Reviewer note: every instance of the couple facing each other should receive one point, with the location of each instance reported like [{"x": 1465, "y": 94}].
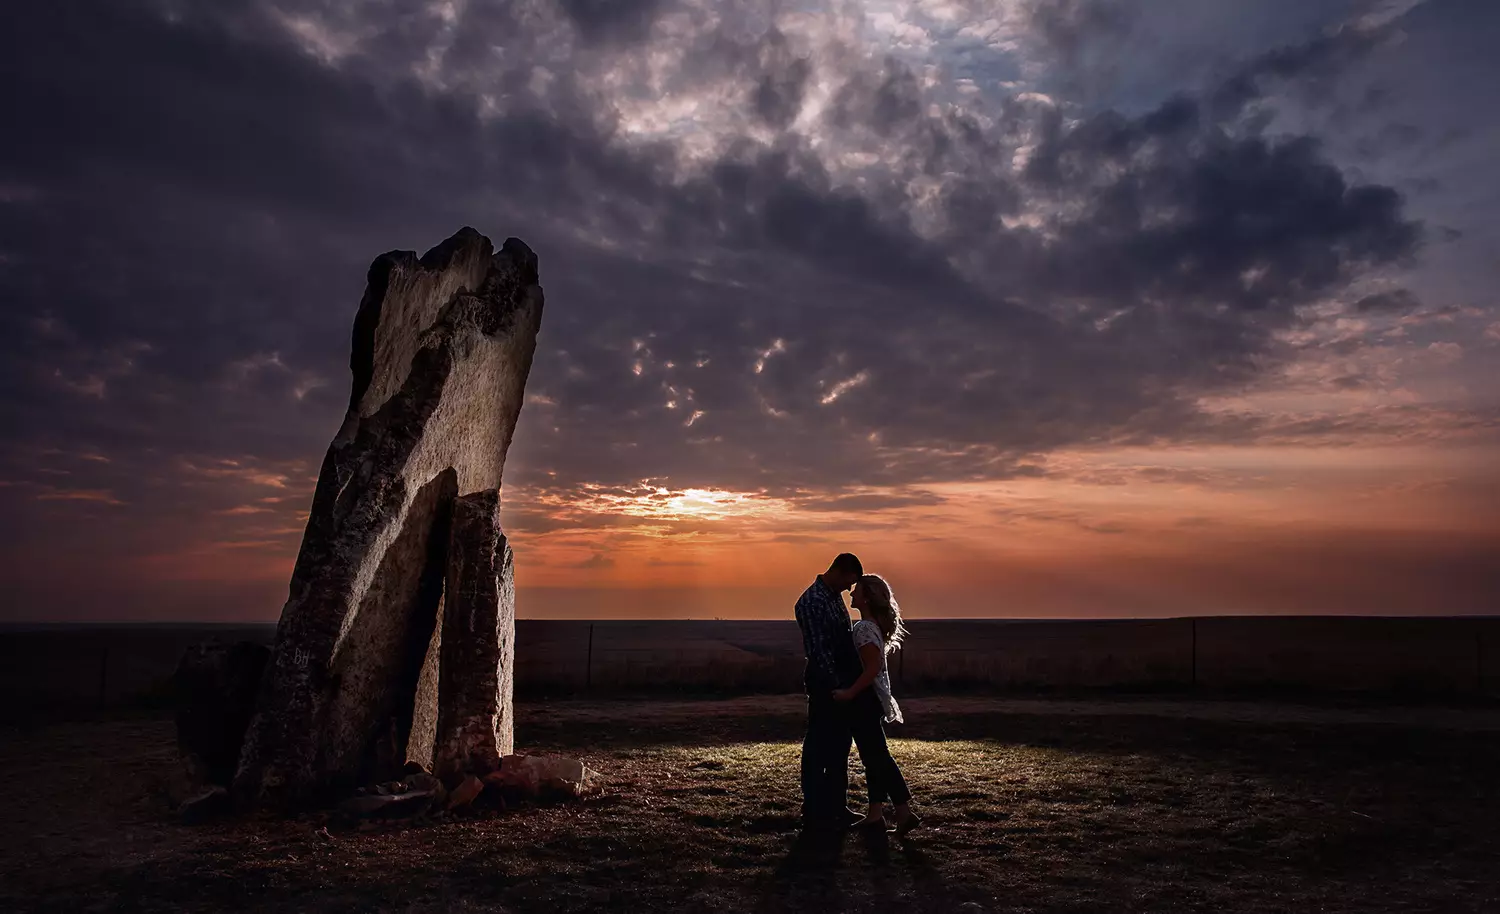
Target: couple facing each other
[{"x": 849, "y": 699}]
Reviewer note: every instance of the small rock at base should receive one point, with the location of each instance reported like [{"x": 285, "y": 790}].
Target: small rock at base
[
  {"x": 546, "y": 775},
  {"x": 210, "y": 804},
  {"x": 363, "y": 806},
  {"x": 430, "y": 783},
  {"x": 465, "y": 793},
  {"x": 395, "y": 806}
]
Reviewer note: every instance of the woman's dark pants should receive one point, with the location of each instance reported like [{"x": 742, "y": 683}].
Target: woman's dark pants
[{"x": 882, "y": 774}]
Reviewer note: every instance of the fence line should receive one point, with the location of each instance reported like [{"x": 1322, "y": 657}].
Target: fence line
[
  {"x": 1479, "y": 660},
  {"x": 104, "y": 676},
  {"x": 1193, "y": 680},
  {"x": 108, "y": 666}
]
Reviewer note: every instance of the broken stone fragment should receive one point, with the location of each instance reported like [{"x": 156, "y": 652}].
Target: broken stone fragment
[
  {"x": 465, "y": 793},
  {"x": 363, "y": 805},
  {"x": 187, "y": 780},
  {"x": 428, "y": 782},
  {"x": 476, "y": 674},
  {"x": 442, "y": 349},
  {"x": 207, "y": 805},
  {"x": 548, "y": 776},
  {"x": 406, "y": 805}
]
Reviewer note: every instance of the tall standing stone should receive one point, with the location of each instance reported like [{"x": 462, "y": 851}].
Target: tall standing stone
[
  {"x": 475, "y": 725},
  {"x": 442, "y": 348}
]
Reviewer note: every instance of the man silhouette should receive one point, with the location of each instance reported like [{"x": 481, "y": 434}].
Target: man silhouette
[{"x": 832, "y": 663}]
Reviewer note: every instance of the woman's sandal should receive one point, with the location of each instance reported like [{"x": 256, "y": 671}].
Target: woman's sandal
[
  {"x": 880, "y": 823},
  {"x": 906, "y": 825}
]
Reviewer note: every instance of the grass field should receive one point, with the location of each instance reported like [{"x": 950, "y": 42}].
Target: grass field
[{"x": 1033, "y": 805}]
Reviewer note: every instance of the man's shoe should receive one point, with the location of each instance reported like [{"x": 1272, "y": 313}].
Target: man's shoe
[{"x": 834, "y": 820}]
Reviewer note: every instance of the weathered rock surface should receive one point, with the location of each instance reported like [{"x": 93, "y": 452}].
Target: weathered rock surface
[
  {"x": 214, "y": 689},
  {"x": 425, "y": 710},
  {"x": 442, "y": 348},
  {"x": 475, "y": 724}
]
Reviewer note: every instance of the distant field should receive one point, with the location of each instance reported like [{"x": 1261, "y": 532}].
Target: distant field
[
  {"x": 89, "y": 667},
  {"x": 1032, "y": 806}
]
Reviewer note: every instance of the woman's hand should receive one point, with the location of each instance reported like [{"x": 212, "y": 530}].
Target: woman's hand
[{"x": 843, "y": 694}]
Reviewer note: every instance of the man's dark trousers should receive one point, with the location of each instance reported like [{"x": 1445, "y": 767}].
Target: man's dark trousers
[{"x": 825, "y": 758}]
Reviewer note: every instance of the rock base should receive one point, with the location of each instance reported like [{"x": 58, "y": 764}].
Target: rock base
[{"x": 519, "y": 780}]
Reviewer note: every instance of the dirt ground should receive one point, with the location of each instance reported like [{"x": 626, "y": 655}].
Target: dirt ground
[{"x": 1035, "y": 806}]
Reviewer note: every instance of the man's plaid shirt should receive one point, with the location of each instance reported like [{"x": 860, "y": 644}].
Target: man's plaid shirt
[{"x": 832, "y": 660}]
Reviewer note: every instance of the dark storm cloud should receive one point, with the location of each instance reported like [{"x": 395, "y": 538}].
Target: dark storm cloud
[
  {"x": 192, "y": 200},
  {"x": 1245, "y": 222},
  {"x": 612, "y": 20},
  {"x": 779, "y": 91},
  {"x": 1398, "y": 300},
  {"x": 857, "y": 503},
  {"x": 1309, "y": 68},
  {"x": 885, "y": 100},
  {"x": 1068, "y": 26}
]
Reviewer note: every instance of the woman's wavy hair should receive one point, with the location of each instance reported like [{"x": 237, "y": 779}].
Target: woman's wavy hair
[{"x": 884, "y": 609}]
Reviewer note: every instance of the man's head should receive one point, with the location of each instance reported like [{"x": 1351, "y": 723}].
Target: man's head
[{"x": 844, "y": 571}]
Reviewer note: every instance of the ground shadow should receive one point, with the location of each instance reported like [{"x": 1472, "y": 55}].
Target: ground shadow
[
  {"x": 812, "y": 875},
  {"x": 808, "y": 876}
]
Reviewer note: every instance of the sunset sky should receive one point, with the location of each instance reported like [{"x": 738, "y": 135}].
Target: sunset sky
[{"x": 1072, "y": 308}]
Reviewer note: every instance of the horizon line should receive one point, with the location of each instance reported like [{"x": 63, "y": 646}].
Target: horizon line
[{"x": 147, "y": 623}]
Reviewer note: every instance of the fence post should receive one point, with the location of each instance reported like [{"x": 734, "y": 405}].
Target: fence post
[
  {"x": 1479, "y": 659},
  {"x": 588, "y": 664},
  {"x": 104, "y": 676},
  {"x": 1194, "y": 681}
]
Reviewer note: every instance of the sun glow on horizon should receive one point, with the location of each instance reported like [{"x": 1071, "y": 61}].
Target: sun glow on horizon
[{"x": 653, "y": 501}]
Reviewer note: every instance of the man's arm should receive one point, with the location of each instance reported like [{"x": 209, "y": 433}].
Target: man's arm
[
  {"x": 870, "y": 657},
  {"x": 842, "y": 651}
]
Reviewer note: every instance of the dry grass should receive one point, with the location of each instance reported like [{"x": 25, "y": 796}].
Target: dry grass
[{"x": 1086, "y": 810}]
